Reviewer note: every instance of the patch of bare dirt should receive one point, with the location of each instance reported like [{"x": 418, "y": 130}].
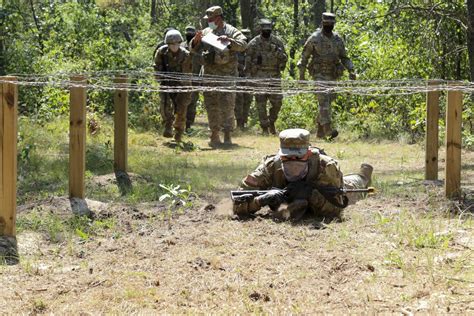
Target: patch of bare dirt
[{"x": 199, "y": 260}]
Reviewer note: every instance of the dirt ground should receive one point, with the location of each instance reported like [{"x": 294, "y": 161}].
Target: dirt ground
[{"x": 202, "y": 261}]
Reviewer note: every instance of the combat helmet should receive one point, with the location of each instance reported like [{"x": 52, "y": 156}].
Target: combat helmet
[{"x": 173, "y": 37}]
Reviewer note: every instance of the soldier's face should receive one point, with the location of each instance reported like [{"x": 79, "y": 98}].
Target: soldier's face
[
  {"x": 174, "y": 47},
  {"x": 328, "y": 27}
]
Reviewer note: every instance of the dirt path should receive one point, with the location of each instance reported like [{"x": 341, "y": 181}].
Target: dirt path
[{"x": 202, "y": 261}]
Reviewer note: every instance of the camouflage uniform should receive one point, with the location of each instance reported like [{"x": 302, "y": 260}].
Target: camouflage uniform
[
  {"x": 173, "y": 105},
  {"x": 325, "y": 57},
  {"x": 322, "y": 171},
  {"x": 220, "y": 105},
  {"x": 242, "y": 100},
  {"x": 266, "y": 58},
  {"x": 196, "y": 69}
]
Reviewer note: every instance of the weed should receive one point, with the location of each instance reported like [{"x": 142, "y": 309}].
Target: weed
[
  {"x": 177, "y": 198},
  {"x": 39, "y": 306}
]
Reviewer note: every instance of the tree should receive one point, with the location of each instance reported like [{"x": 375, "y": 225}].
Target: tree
[{"x": 470, "y": 36}]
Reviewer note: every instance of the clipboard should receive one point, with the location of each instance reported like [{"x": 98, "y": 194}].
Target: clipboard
[{"x": 212, "y": 39}]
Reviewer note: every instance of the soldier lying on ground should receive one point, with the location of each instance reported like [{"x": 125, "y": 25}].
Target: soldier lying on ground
[{"x": 301, "y": 169}]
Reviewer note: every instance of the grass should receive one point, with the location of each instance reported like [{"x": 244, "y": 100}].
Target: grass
[{"x": 394, "y": 247}]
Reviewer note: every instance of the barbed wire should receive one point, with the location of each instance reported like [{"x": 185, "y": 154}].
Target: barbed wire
[{"x": 172, "y": 82}]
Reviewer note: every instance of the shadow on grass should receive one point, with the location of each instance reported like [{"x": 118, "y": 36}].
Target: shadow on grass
[{"x": 8, "y": 251}]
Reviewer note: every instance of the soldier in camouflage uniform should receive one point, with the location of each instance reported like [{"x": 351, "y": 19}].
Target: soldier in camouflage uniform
[
  {"x": 171, "y": 57},
  {"x": 266, "y": 58},
  {"x": 324, "y": 54},
  {"x": 242, "y": 100},
  {"x": 220, "y": 105},
  {"x": 304, "y": 167},
  {"x": 196, "y": 68}
]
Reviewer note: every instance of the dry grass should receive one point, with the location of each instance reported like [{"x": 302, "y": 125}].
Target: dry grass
[{"x": 403, "y": 250}]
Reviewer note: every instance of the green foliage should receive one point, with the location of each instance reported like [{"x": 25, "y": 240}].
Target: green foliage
[{"x": 386, "y": 40}]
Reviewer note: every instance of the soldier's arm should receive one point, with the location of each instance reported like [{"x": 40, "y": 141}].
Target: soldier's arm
[
  {"x": 305, "y": 56},
  {"x": 188, "y": 63},
  {"x": 345, "y": 60},
  {"x": 282, "y": 56},
  {"x": 238, "y": 41},
  {"x": 158, "y": 61},
  {"x": 249, "y": 67}
]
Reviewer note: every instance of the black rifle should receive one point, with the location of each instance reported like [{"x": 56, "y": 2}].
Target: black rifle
[{"x": 329, "y": 193}]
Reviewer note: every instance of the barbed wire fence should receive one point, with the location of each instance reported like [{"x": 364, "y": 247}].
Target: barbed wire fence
[{"x": 171, "y": 82}]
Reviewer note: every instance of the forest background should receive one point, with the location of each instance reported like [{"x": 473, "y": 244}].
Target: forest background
[{"x": 385, "y": 39}]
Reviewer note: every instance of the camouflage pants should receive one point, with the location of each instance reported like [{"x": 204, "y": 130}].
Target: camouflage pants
[
  {"x": 276, "y": 100},
  {"x": 173, "y": 108},
  {"x": 321, "y": 207},
  {"x": 191, "y": 112},
  {"x": 220, "y": 110},
  {"x": 264, "y": 117},
  {"x": 242, "y": 107},
  {"x": 324, "y": 101}
]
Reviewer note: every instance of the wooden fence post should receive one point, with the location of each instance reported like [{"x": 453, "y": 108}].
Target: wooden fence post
[
  {"x": 453, "y": 144},
  {"x": 432, "y": 133},
  {"x": 77, "y": 138},
  {"x": 8, "y": 155},
  {"x": 121, "y": 126}
]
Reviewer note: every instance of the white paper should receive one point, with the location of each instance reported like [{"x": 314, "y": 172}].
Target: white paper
[{"x": 212, "y": 39}]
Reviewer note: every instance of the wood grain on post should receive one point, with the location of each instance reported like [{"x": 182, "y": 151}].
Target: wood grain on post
[
  {"x": 77, "y": 138},
  {"x": 432, "y": 133},
  {"x": 121, "y": 126},
  {"x": 453, "y": 144},
  {"x": 8, "y": 156}
]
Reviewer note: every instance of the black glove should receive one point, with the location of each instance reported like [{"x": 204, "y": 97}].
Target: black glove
[{"x": 272, "y": 198}]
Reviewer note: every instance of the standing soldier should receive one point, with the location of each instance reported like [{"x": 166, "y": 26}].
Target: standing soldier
[
  {"x": 242, "y": 100},
  {"x": 324, "y": 54},
  {"x": 266, "y": 58},
  {"x": 172, "y": 58},
  {"x": 219, "y": 105},
  {"x": 196, "y": 68}
]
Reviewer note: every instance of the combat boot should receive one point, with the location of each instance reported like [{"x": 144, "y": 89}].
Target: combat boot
[
  {"x": 168, "y": 132},
  {"x": 215, "y": 139},
  {"x": 227, "y": 138},
  {"x": 329, "y": 133},
  {"x": 366, "y": 172},
  {"x": 264, "y": 130},
  {"x": 178, "y": 136},
  {"x": 272, "y": 128}
]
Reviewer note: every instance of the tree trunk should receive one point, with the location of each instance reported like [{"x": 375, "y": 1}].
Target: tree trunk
[
  {"x": 153, "y": 17},
  {"x": 317, "y": 9},
  {"x": 38, "y": 28},
  {"x": 470, "y": 36},
  {"x": 246, "y": 13},
  {"x": 296, "y": 25}
]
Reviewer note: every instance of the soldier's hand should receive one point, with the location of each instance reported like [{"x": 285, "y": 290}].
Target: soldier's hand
[
  {"x": 352, "y": 76},
  {"x": 197, "y": 38},
  {"x": 271, "y": 198},
  {"x": 224, "y": 39}
]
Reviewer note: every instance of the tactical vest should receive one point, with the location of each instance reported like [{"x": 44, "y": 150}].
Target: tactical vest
[{"x": 325, "y": 60}]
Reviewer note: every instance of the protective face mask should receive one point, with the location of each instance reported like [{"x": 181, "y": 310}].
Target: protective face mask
[
  {"x": 328, "y": 28},
  {"x": 173, "y": 47},
  {"x": 266, "y": 34},
  {"x": 295, "y": 170},
  {"x": 212, "y": 25}
]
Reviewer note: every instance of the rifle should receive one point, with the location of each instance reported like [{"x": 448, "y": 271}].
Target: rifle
[{"x": 328, "y": 192}]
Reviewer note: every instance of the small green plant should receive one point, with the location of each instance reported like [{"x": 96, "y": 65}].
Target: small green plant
[{"x": 178, "y": 198}]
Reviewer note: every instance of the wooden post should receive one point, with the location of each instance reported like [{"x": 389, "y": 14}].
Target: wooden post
[
  {"x": 121, "y": 126},
  {"x": 77, "y": 138},
  {"x": 8, "y": 155},
  {"x": 453, "y": 144},
  {"x": 432, "y": 133}
]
